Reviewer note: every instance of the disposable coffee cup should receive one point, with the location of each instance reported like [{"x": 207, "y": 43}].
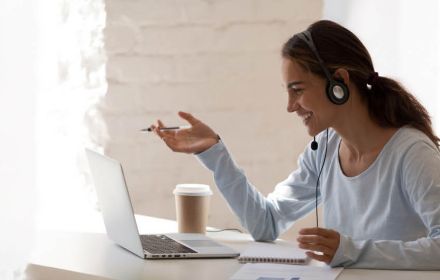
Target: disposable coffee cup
[{"x": 192, "y": 207}]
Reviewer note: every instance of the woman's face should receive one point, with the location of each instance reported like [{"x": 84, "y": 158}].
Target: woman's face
[{"x": 307, "y": 97}]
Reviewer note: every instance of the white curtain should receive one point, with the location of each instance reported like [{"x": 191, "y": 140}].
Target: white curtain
[
  {"x": 403, "y": 37},
  {"x": 52, "y": 70},
  {"x": 18, "y": 86},
  {"x": 72, "y": 76}
]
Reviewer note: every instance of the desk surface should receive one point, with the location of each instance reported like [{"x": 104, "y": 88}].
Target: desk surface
[{"x": 94, "y": 254}]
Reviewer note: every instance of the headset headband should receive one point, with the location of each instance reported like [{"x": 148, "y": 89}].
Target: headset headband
[{"x": 306, "y": 36}]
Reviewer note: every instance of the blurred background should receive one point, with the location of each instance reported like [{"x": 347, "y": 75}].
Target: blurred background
[{"x": 91, "y": 73}]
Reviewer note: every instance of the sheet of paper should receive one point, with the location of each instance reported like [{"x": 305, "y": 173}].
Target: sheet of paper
[{"x": 266, "y": 271}]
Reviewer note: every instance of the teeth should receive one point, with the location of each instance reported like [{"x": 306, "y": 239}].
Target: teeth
[{"x": 306, "y": 116}]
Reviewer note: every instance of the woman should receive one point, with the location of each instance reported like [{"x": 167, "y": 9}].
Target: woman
[{"x": 377, "y": 162}]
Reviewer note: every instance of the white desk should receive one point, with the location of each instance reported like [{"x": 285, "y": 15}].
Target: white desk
[{"x": 94, "y": 254}]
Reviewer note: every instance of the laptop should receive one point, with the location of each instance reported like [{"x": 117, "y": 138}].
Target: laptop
[{"x": 120, "y": 222}]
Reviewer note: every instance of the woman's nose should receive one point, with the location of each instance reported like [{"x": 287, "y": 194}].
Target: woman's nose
[{"x": 292, "y": 105}]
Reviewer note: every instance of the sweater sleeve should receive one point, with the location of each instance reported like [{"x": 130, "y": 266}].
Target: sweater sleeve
[
  {"x": 264, "y": 217},
  {"x": 421, "y": 183}
]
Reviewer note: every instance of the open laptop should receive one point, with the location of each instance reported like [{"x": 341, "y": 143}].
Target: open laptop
[{"x": 121, "y": 225}]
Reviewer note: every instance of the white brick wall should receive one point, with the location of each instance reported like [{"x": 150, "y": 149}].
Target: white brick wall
[{"x": 216, "y": 59}]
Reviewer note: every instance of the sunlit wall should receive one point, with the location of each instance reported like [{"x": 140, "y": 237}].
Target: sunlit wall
[{"x": 17, "y": 135}]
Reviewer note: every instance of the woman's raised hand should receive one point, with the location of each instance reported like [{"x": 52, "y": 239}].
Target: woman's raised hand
[{"x": 196, "y": 139}]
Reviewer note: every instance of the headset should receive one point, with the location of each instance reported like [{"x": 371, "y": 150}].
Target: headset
[
  {"x": 336, "y": 90},
  {"x": 338, "y": 94}
]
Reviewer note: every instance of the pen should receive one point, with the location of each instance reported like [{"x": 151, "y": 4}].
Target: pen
[{"x": 166, "y": 128}]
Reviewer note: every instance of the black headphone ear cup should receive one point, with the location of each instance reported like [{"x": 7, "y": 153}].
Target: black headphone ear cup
[{"x": 337, "y": 92}]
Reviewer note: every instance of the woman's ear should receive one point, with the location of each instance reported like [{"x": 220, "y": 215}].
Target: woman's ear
[{"x": 342, "y": 74}]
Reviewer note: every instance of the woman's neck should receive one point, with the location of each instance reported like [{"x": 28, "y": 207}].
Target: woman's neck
[{"x": 360, "y": 134}]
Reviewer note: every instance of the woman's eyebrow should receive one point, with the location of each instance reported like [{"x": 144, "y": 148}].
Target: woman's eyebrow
[{"x": 294, "y": 83}]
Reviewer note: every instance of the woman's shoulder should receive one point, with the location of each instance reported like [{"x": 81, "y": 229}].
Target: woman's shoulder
[
  {"x": 411, "y": 147},
  {"x": 408, "y": 137}
]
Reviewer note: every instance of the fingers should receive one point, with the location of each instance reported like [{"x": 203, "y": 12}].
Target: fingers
[
  {"x": 168, "y": 137},
  {"x": 162, "y": 133},
  {"x": 318, "y": 231},
  {"x": 188, "y": 117},
  {"x": 321, "y": 240},
  {"x": 158, "y": 132},
  {"x": 316, "y": 247},
  {"x": 192, "y": 140},
  {"x": 160, "y": 124},
  {"x": 322, "y": 258},
  {"x": 314, "y": 240}
]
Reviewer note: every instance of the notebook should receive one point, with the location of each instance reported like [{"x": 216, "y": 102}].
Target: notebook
[{"x": 267, "y": 252}]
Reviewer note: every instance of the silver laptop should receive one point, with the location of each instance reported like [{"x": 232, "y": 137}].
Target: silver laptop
[{"x": 121, "y": 225}]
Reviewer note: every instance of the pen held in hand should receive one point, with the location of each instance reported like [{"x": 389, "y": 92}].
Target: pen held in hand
[{"x": 166, "y": 128}]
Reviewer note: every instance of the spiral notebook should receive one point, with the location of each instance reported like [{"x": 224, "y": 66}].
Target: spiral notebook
[{"x": 266, "y": 252}]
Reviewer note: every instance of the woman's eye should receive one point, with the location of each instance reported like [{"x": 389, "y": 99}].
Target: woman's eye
[{"x": 298, "y": 91}]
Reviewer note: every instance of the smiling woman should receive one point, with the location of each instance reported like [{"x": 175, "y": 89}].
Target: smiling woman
[{"x": 380, "y": 186}]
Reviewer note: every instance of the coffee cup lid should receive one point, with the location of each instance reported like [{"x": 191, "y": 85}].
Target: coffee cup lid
[{"x": 192, "y": 190}]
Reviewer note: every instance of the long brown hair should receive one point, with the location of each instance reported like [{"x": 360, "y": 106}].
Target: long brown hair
[{"x": 389, "y": 104}]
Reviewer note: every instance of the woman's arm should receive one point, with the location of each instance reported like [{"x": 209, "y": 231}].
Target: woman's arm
[{"x": 265, "y": 218}]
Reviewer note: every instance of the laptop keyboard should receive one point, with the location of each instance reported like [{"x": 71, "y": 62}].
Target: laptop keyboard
[{"x": 161, "y": 244}]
